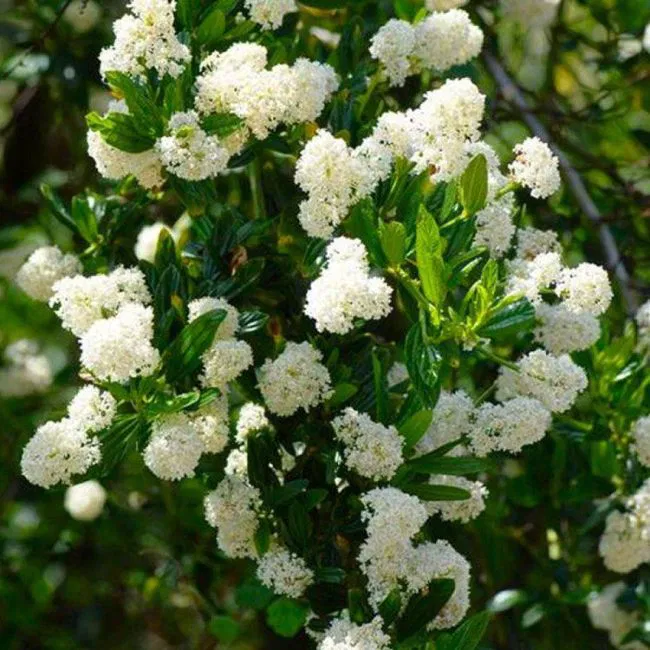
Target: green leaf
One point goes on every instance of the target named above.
(84, 218)
(428, 251)
(362, 224)
(390, 607)
(280, 494)
(251, 321)
(211, 29)
(120, 131)
(326, 4)
(253, 595)
(423, 361)
(342, 393)
(141, 105)
(183, 357)
(57, 207)
(468, 635)
(187, 12)
(299, 525)
(224, 628)
(415, 427)
(221, 124)
(262, 537)
(474, 185)
(437, 492)
(381, 388)
(423, 609)
(286, 617)
(330, 574)
(508, 318)
(393, 241)
(455, 465)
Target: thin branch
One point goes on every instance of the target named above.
(514, 95)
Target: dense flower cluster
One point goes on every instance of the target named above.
(45, 267)
(343, 634)
(284, 572)
(536, 168)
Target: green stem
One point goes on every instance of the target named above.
(488, 354)
(408, 283)
(506, 189)
(257, 192)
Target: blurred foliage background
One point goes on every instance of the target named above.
(147, 573)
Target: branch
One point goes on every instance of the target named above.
(515, 96)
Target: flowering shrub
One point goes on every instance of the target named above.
(352, 332)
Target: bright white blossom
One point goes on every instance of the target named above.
(252, 418)
(625, 543)
(463, 510)
(92, 409)
(531, 277)
(211, 424)
(585, 288)
(296, 379)
(642, 319)
(27, 372)
(174, 448)
(343, 634)
(82, 301)
(284, 572)
(345, 290)
(224, 361)
(85, 501)
(146, 40)
(605, 614)
(562, 331)
(393, 46)
(43, 268)
(237, 463)
(535, 167)
(532, 242)
(641, 439)
(269, 13)
(229, 325)
(119, 348)
(57, 452)
(452, 419)
(232, 509)
(371, 449)
(555, 381)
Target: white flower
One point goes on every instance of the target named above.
(646, 38)
(642, 319)
(452, 419)
(462, 510)
(189, 152)
(494, 226)
(85, 501)
(224, 361)
(530, 277)
(269, 13)
(80, 301)
(641, 440)
(285, 573)
(147, 241)
(536, 168)
(211, 423)
(509, 427)
(58, 451)
(562, 330)
(585, 288)
(555, 381)
(532, 242)
(119, 348)
(27, 372)
(92, 409)
(146, 41)
(43, 268)
(605, 614)
(174, 447)
(397, 374)
(229, 325)
(371, 449)
(252, 418)
(237, 463)
(232, 509)
(392, 45)
(343, 634)
(443, 40)
(296, 379)
(625, 543)
(345, 291)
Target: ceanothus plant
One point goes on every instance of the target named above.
(350, 248)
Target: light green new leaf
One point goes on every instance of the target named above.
(393, 241)
(428, 251)
(474, 185)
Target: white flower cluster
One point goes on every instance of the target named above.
(390, 560)
(232, 509)
(44, 267)
(641, 440)
(531, 13)
(463, 510)
(625, 543)
(536, 168)
(211, 423)
(237, 81)
(438, 42)
(252, 418)
(556, 382)
(453, 418)
(605, 614)
(643, 326)
(296, 379)
(60, 450)
(284, 572)
(227, 357)
(188, 151)
(85, 501)
(269, 14)
(343, 634)
(26, 371)
(439, 137)
(345, 290)
(146, 40)
(371, 449)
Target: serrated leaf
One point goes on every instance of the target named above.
(120, 131)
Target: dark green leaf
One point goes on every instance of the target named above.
(224, 628)
(455, 465)
(221, 124)
(286, 617)
(390, 607)
(468, 635)
(415, 427)
(422, 609)
(211, 28)
(436, 492)
(423, 361)
(508, 319)
(120, 131)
